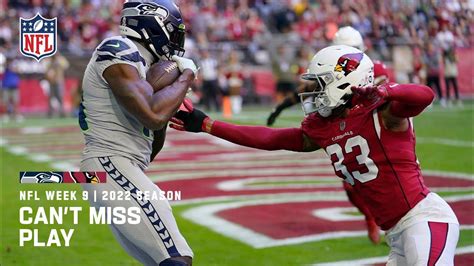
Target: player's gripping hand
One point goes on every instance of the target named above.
(190, 119)
(185, 63)
(372, 93)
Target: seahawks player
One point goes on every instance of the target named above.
(124, 124)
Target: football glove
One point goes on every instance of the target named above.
(371, 94)
(185, 63)
(189, 119)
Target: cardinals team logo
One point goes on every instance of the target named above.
(348, 63)
(38, 37)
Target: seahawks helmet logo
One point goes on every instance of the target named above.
(41, 177)
(152, 10)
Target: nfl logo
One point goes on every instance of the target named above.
(38, 37)
(342, 125)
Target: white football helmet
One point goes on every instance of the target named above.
(350, 37)
(336, 69)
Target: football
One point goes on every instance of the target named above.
(38, 25)
(162, 74)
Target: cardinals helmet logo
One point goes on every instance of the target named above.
(348, 63)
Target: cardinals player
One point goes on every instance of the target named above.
(351, 37)
(367, 132)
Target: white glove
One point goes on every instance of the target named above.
(185, 63)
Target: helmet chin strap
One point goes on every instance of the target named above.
(325, 112)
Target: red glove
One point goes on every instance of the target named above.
(186, 106)
(190, 119)
(371, 93)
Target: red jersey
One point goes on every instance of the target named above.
(380, 164)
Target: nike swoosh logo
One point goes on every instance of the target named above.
(117, 45)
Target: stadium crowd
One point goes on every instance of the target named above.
(256, 33)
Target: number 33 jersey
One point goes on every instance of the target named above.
(380, 164)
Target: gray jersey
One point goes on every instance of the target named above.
(108, 128)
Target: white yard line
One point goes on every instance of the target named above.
(245, 184)
(165, 176)
(446, 142)
(199, 164)
(206, 216)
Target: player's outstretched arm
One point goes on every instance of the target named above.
(258, 137)
(408, 100)
(404, 101)
(136, 95)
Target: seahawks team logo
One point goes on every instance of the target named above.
(152, 10)
(41, 177)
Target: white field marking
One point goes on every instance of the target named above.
(64, 166)
(39, 157)
(219, 199)
(337, 214)
(210, 199)
(199, 148)
(223, 142)
(456, 198)
(206, 216)
(175, 136)
(377, 260)
(33, 130)
(17, 150)
(46, 134)
(244, 184)
(466, 227)
(254, 154)
(452, 189)
(3, 142)
(447, 142)
(162, 176)
(46, 142)
(448, 174)
(194, 165)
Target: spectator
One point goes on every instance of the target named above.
(210, 85)
(284, 69)
(235, 81)
(56, 66)
(10, 92)
(433, 63)
(450, 76)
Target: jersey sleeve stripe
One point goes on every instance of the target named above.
(113, 46)
(132, 57)
(376, 122)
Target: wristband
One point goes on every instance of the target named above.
(207, 125)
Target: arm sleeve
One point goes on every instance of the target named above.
(259, 137)
(408, 100)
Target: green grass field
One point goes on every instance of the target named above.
(446, 138)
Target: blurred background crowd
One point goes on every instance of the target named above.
(252, 51)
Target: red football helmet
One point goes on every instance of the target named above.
(380, 73)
